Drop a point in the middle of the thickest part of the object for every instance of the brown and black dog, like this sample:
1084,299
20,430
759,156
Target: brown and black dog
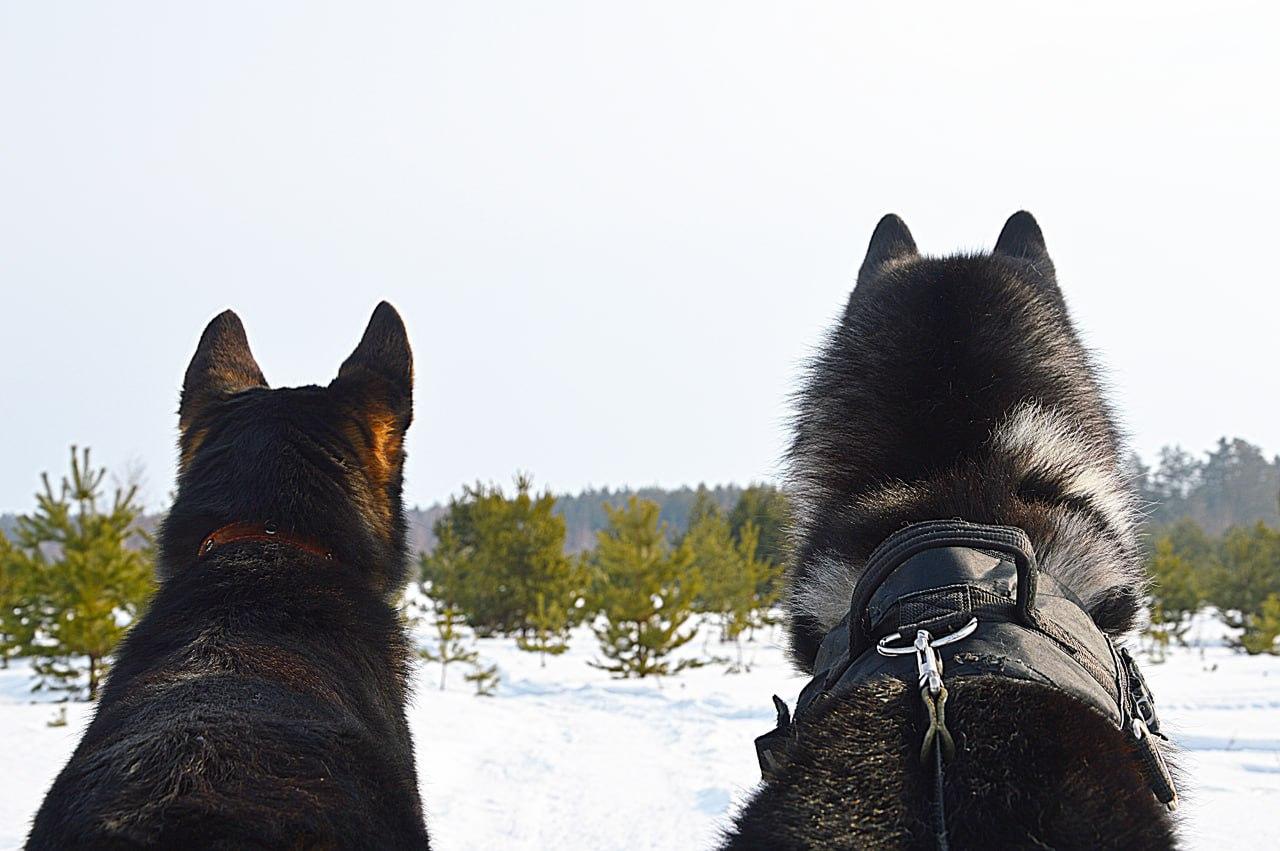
259,702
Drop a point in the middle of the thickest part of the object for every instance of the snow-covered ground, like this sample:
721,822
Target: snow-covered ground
565,757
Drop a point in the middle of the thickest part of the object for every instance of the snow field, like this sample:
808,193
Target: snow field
564,756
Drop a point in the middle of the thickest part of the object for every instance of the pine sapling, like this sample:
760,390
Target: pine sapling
549,624
451,643
645,594
1263,629
484,677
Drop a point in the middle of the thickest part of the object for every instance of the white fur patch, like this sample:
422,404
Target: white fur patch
1044,442
1033,441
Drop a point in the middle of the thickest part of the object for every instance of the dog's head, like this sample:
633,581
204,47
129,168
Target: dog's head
957,387
323,464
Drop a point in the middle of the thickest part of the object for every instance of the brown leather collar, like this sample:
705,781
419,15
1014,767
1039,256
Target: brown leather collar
234,533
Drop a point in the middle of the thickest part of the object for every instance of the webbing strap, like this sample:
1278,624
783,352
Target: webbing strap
915,539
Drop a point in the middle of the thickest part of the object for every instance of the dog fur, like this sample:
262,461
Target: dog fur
259,702
957,387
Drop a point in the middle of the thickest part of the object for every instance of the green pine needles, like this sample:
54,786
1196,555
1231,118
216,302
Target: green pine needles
76,574
738,588
645,593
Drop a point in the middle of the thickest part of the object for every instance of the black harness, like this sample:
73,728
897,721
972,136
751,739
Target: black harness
974,594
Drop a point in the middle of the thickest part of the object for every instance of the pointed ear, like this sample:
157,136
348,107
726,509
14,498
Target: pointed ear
222,366
1021,238
383,364
890,241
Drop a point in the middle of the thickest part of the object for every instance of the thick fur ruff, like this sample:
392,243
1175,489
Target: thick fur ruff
957,388
259,702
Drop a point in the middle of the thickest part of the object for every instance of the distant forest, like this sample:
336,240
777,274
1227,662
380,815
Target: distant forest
1233,484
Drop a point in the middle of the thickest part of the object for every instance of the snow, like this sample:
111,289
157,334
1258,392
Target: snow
564,756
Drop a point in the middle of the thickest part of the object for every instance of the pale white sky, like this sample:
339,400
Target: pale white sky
614,229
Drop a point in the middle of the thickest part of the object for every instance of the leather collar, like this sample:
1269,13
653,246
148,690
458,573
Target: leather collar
267,533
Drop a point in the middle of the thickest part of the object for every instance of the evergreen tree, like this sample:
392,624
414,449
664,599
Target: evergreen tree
16,572
704,506
1237,487
549,630
83,581
1177,474
484,677
1247,574
769,510
451,642
767,575
645,593
726,578
1261,634
1175,595
494,555
1190,542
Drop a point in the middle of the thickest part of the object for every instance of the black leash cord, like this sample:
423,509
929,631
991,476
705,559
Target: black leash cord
939,808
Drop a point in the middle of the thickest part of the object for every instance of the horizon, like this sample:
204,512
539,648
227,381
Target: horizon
538,487
614,233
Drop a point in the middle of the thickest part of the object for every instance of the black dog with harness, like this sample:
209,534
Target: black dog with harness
975,591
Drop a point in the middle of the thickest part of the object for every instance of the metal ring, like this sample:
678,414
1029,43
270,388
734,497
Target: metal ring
884,649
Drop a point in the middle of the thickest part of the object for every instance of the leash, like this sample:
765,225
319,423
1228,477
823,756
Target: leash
938,742
976,587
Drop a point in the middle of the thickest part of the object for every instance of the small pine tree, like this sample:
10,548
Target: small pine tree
451,643
494,554
84,582
485,678
766,576
16,572
549,626
1175,596
645,594
725,588
1261,633
769,510
1247,573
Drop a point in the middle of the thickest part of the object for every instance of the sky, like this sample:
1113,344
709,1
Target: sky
615,230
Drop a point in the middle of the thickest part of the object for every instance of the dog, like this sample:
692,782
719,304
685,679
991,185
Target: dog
957,387
259,701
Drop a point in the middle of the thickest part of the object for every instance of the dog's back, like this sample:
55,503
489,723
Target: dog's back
259,701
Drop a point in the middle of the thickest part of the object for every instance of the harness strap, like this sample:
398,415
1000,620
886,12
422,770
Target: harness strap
936,534
976,587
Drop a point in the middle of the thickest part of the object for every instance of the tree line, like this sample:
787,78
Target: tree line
1237,573
501,565
1214,541
79,568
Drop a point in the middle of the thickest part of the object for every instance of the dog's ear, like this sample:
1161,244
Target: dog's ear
378,380
222,366
890,241
1021,238
384,362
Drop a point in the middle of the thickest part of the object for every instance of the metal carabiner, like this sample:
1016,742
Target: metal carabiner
928,662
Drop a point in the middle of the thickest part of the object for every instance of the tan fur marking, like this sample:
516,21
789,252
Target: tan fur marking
189,444
380,461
